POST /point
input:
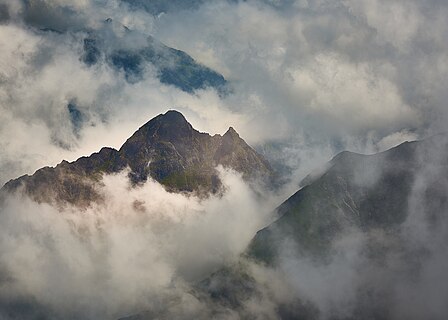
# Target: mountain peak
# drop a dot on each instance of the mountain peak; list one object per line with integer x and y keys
{"x": 170, "y": 118}
{"x": 167, "y": 149}
{"x": 173, "y": 115}
{"x": 170, "y": 126}
{"x": 231, "y": 133}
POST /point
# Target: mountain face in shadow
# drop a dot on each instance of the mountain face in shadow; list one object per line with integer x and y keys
{"x": 365, "y": 192}
{"x": 167, "y": 149}
{"x": 172, "y": 67}
{"x": 157, "y": 7}
{"x": 126, "y": 50}
{"x": 370, "y": 228}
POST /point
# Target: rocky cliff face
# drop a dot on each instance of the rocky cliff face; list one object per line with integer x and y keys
{"x": 167, "y": 149}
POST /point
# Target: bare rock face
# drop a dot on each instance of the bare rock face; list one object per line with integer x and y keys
{"x": 167, "y": 149}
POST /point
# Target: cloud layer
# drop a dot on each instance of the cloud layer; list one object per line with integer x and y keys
{"x": 309, "y": 79}
{"x": 141, "y": 248}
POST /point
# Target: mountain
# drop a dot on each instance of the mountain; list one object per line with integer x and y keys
{"x": 172, "y": 66}
{"x": 167, "y": 149}
{"x": 371, "y": 225}
{"x": 127, "y": 50}
{"x": 157, "y": 7}
{"x": 366, "y": 192}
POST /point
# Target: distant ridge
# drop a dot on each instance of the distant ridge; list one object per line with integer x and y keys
{"x": 366, "y": 192}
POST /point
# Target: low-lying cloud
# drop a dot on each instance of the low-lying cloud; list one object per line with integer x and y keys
{"x": 390, "y": 271}
{"x": 141, "y": 249}
{"x": 308, "y": 78}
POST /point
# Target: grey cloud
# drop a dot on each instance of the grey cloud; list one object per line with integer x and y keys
{"x": 304, "y": 45}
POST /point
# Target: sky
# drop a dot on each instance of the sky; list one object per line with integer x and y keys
{"x": 308, "y": 80}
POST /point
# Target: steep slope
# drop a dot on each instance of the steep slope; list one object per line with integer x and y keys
{"x": 365, "y": 192}
{"x": 167, "y": 149}
{"x": 172, "y": 66}
{"x": 133, "y": 53}
{"x": 373, "y": 226}
{"x": 157, "y": 7}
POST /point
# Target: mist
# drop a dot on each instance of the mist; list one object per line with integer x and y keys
{"x": 141, "y": 249}
{"x": 291, "y": 83}
{"x": 386, "y": 271}
{"x": 307, "y": 79}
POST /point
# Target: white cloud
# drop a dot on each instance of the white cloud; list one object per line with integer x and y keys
{"x": 142, "y": 245}
{"x": 309, "y": 77}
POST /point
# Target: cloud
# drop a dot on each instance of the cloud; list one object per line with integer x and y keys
{"x": 142, "y": 245}
{"x": 395, "y": 139}
{"x": 332, "y": 76}
{"x": 309, "y": 79}
{"x": 392, "y": 271}
{"x": 323, "y": 65}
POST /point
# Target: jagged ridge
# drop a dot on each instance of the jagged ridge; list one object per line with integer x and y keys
{"x": 167, "y": 148}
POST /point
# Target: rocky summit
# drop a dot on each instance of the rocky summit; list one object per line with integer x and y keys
{"x": 167, "y": 149}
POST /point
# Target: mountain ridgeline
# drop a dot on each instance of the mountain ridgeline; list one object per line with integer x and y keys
{"x": 114, "y": 44}
{"x": 388, "y": 198}
{"x": 172, "y": 66}
{"x": 368, "y": 224}
{"x": 366, "y": 192}
{"x": 167, "y": 149}
{"x": 362, "y": 192}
